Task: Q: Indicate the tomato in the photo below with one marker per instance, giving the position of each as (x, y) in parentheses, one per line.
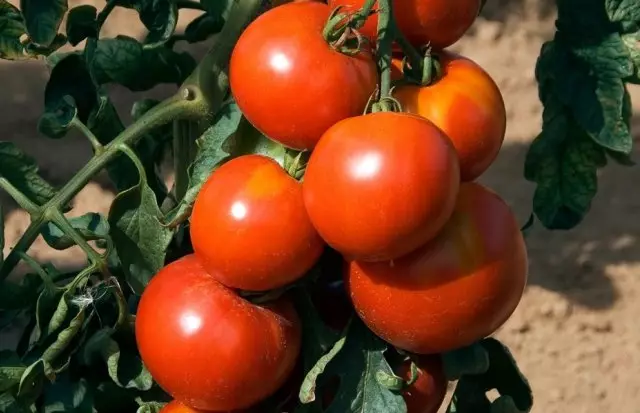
(208, 347)
(250, 227)
(439, 23)
(177, 407)
(468, 106)
(290, 83)
(380, 185)
(427, 393)
(454, 290)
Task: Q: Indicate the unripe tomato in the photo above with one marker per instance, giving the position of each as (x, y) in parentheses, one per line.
(177, 407)
(290, 83)
(427, 393)
(453, 291)
(468, 106)
(208, 347)
(380, 185)
(439, 23)
(250, 228)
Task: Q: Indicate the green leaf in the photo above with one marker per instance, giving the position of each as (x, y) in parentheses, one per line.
(43, 18)
(46, 305)
(472, 359)
(503, 375)
(11, 370)
(70, 91)
(140, 238)
(16, 295)
(22, 171)
(81, 23)
(92, 226)
(65, 336)
(213, 150)
(32, 380)
(217, 8)
(11, 29)
(159, 17)
(35, 49)
(9, 404)
(123, 60)
(150, 407)
(202, 27)
(1, 236)
(358, 358)
(141, 107)
(632, 43)
(624, 12)
(66, 396)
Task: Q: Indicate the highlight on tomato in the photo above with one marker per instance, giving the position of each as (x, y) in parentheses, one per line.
(290, 83)
(467, 105)
(437, 23)
(208, 347)
(380, 185)
(250, 228)
(454, 290)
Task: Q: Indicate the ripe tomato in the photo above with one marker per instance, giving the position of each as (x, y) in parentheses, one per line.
(208, 347)
(290, 83)
(453, 291)
(177, 407)
(439, 23)
(250, 228)
(427, 393)
(468, 106)
(380, 185)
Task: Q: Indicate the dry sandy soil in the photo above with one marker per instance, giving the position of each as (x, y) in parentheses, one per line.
(574, 333)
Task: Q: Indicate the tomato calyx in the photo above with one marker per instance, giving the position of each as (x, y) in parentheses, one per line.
(427, 73)
(398, 384)
(295, 163)
(341, 32)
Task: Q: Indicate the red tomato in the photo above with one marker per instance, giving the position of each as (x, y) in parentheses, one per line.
(453, 291)
(250, 228)
(208, 347)
(290, 83)
(380, 185)
(468, 106)
(177, 407)
(427, 393)
(439, 23)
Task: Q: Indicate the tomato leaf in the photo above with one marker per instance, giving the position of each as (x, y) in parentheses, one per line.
(22, 171)
(11, 29)
(65, 395)
(357, 359)
(32, 380)
(92, 226)
(217, 8)
(200, 28)
(472, 359)
(43, 18)
(125, 369)
(19, 294)
(624, 12)
(1, 236)
(213, 150)
(150, 407)
(140, 238)
(503, 375)
(9, 404)
(81, 23)
(123, 60)
(632, 42)
(158, 16)
(11, 369)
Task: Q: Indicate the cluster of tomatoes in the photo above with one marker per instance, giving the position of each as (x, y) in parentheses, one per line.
(433, 260)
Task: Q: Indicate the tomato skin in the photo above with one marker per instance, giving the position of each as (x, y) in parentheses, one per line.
(250, 228)
(453, 291)
(468, 106)
(188, 322)
(427, 393)
(380, 185)
(290, 83)
(438, 22)
(176, 407)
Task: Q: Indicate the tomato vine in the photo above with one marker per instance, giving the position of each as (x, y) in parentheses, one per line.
(77, 350)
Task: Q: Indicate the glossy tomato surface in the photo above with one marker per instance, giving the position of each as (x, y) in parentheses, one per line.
(250, 228)
(453, 291)
(380, 185)
(468, 106)
(439, 23)
(290, 83)
(427, 393)
(209, 348)
(177, 407)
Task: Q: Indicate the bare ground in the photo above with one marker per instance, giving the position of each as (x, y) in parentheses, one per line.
(575, 333)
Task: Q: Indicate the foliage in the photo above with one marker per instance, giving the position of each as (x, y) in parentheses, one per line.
(77, 351)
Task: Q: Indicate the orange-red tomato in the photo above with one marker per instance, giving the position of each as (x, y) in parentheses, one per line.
(176, 407)
(468, 106)
(439, 23)
(250, 227)
(290, 83)
(427, 393)
(208, 347)
(380, 185)
(453, 291)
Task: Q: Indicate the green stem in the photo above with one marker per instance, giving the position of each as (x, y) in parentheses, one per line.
(189, 4)
(24, 243)
(415, 58)
(93, 140)
(385, 42)
(46, 279)
(361, 16)
(185, 133)
(65, 226)
(126, 149)
(24, 202)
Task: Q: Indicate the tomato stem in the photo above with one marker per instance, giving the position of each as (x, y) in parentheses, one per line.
(385, 40)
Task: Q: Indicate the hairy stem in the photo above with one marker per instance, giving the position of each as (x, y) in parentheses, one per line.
(189, 4)
(93, 140)
(385, 41)
(65, 226)
(24, 202)
(24, 243)
(360, 17)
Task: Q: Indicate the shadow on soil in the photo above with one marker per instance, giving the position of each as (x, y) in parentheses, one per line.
(573, 263)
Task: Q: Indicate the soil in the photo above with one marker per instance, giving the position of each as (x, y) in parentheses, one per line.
(574, 335)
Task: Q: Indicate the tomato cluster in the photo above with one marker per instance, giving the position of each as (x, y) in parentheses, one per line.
(432, 260)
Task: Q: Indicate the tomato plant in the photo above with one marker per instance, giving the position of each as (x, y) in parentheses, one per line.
(320, 249)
